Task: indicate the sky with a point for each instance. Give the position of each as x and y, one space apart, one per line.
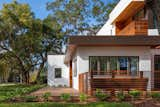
37 6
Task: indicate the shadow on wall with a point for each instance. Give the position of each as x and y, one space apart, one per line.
57 82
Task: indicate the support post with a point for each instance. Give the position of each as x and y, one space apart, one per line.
91 82
113 74
70 74
141 74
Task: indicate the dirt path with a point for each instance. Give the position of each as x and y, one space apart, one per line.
55 91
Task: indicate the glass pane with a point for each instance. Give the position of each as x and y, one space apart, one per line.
103 64
123 63
113 63
93 63
57 72
157 63
134 66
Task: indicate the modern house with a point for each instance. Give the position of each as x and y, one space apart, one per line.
125 53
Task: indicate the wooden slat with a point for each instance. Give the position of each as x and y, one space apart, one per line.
120 83
139 27
70 74
83 83
157 80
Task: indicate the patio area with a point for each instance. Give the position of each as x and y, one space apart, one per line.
55 91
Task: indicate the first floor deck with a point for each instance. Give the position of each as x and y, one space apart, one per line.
88 82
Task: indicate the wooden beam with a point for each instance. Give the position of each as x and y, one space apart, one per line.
91 82
70 74
130 11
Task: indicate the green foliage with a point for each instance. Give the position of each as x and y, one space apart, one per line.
4 71
155 95
46 95
27 40
76 15
82 97
135 93
7 92
65 97
29 98
101 95
100 104
121 95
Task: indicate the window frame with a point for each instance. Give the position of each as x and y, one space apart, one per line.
55 74
116 58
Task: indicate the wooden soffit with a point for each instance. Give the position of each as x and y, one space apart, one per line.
130 10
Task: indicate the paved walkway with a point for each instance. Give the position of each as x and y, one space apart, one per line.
55 91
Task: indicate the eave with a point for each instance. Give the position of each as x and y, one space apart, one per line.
125 9
75 41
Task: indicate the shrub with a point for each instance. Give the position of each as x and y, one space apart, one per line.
60 86
155 95
46 95
121 95
101 95
83 97
65 97
65 86
29 98
135 93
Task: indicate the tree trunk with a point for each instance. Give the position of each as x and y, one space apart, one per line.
39 71
41 66
25 77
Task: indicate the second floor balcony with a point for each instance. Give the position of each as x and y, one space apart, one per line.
136 27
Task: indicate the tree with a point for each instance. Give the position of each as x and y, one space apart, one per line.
4 72
80 16
153 7
25 39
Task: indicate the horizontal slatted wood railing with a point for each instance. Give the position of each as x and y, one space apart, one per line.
156 80
109 73
120 83
88 83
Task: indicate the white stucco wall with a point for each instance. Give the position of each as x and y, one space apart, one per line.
153 32
57 61
108 29
83 54
75 79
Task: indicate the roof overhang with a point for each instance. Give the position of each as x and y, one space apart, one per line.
126 9
71 48
75 41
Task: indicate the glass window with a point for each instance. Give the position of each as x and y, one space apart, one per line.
93 63
157 63
101 64
134 63
123 63
58 72
139 15
113 63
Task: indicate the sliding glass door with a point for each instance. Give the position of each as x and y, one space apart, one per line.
157 72
121 65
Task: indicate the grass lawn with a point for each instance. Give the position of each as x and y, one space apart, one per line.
9 91
100 104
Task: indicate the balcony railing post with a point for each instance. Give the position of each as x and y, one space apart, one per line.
91 82
141 74
113 74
